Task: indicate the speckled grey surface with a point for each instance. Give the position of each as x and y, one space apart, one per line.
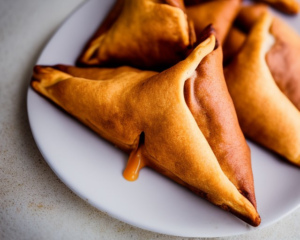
34 203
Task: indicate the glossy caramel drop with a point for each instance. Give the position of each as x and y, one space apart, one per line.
135 163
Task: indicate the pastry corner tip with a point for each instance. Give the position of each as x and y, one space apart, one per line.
256 221
208 32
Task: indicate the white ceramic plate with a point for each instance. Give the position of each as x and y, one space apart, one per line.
92 167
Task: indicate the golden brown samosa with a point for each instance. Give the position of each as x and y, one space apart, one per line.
148 34
146 114
265 114
207 97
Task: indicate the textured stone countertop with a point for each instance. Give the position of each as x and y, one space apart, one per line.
34 203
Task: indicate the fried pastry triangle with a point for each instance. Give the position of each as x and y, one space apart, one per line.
265 114
207 97
149 34
220 13
146 114
283 57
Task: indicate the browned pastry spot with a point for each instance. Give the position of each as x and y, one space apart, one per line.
209 30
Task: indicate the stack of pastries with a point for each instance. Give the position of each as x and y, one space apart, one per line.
179 84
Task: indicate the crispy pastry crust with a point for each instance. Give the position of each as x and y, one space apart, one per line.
123 106
207 97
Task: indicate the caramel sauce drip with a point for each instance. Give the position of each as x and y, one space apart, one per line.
135 163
